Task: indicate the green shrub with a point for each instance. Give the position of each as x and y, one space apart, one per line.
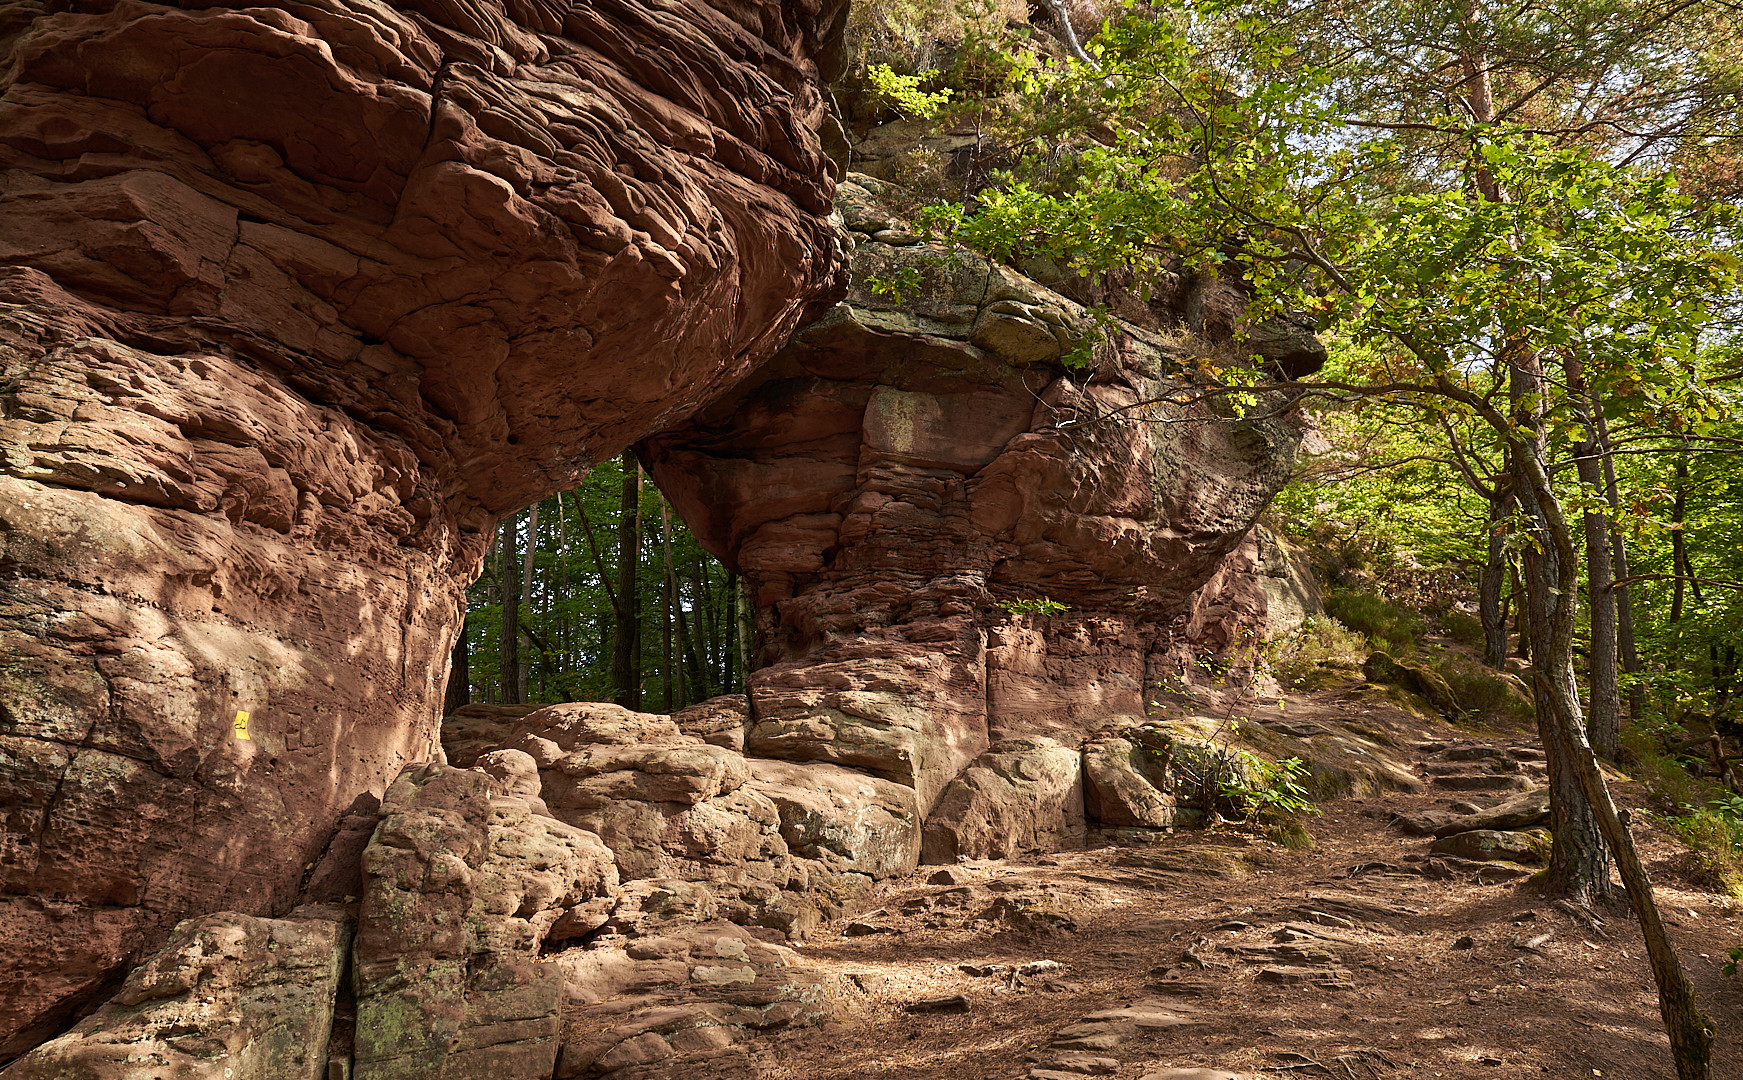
1483 693
1465 629
1036 606
1386 625
903 93
1323 650
1705 817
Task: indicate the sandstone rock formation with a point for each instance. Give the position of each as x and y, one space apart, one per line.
768 841
295 301
909 464
229 997
1023 794
463 880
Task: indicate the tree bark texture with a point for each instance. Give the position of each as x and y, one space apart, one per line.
1578 865
508 678
1491 603
1604 724
626 642
1619 565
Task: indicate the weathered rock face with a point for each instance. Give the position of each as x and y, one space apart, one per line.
905 466
761 842
1023 794
295 301
463 881
229 997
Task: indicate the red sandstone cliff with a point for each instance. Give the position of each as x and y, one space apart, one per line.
295 300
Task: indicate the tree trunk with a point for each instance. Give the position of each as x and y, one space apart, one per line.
670 594
733 638
459 689
1577 865
1624 594
1679 556
509 650
1491 604
1604 724
626 682
1520 615
523 656
746 632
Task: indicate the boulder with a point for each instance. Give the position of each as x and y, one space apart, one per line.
1415 677
1490 845
699 988
773 843
720 721
1023 794
1159 775
844 824
1519 812
228 997
462 883
1124 787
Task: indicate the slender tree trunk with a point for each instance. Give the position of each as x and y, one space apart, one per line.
702 626
746 632
1491 605
730 682
1068 33
626 642
1624 592
459 690
509 650
524 656
1604 724
1691 1033
1679 556
1579 866
670 593
565 648
693 688
1520 615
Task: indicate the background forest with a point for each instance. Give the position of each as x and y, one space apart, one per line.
603 595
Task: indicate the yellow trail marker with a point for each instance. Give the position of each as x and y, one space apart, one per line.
241 725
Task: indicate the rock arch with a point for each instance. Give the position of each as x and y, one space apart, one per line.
296 301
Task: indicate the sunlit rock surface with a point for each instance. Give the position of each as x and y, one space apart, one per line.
296 301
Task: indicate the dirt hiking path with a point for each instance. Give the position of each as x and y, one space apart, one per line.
1220 955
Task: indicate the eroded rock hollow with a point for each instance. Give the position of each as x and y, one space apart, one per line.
296 300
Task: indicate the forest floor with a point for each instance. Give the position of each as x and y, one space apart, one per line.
1222 951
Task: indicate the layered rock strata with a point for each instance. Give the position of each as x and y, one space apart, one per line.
284 295
229 997
915 475
296 301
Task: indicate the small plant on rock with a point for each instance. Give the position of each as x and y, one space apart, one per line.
903 93
1274 787
1037 606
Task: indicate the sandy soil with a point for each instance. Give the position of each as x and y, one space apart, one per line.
1387 972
